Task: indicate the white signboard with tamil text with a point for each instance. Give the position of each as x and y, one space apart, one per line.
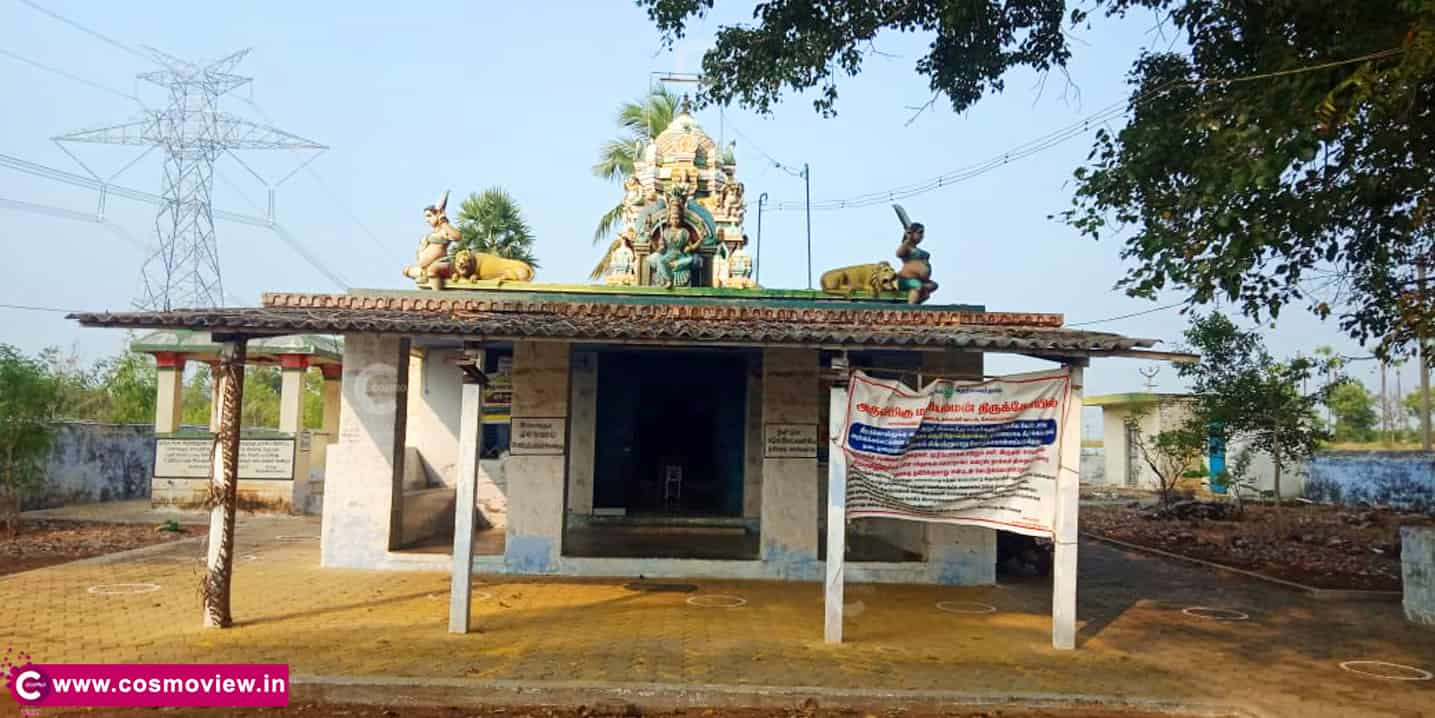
192 459
982 453
537 436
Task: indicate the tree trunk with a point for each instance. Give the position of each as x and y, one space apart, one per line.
1276 480
9 510
223 488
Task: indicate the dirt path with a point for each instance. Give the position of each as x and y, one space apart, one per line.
47 542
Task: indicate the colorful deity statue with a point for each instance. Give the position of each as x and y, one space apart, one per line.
431 265
676 258
915 276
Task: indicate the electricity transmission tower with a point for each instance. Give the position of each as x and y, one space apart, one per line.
183 270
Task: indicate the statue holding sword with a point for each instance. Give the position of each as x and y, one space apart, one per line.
915 276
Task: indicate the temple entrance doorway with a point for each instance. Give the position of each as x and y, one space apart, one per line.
669 458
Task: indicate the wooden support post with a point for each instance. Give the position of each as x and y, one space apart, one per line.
1068 493
470 448
836 511
224 485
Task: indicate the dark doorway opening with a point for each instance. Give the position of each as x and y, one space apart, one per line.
670 432
669 459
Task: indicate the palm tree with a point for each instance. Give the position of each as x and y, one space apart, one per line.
491 222
640 121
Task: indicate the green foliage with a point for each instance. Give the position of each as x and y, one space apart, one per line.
313 399
1310 187
129 383
197 397
29 397
1412 403
260 409
1258 167
797 45
1354 409
491 222
639 122
1242 389
1171 452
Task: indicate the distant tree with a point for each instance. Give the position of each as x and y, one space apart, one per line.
1353 407
313 399
81 395
198 395
1170 452
262 386
28 399
1241 388
130 384
639 121
1411 402
491 222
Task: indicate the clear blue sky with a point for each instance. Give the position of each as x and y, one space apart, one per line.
417 98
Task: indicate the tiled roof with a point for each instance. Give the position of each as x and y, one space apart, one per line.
494 316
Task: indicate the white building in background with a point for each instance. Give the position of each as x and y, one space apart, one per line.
1158 412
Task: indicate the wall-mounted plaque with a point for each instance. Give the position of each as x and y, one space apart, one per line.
271 459
790 441
537 436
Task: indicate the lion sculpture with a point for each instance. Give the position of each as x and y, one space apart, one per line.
479 266
874 278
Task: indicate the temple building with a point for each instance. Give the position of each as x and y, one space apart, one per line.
646 431
672 419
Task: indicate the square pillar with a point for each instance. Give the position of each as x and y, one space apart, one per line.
583 432
470 447
791 392
1068 496
538 455
958 555
291 392
362 493
169 400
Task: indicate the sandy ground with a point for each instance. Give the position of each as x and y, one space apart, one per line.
1144 633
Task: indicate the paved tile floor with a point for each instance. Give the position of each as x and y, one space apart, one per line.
1135 639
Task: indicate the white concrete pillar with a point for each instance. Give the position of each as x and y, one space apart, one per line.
362 496
470 447
790 396
537 457
1068 495
169 399
958 555
836 514
292 368
583 432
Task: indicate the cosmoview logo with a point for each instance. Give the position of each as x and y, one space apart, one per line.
375 388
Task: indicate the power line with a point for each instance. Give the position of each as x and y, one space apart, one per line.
107 189
29 308
1127 316
70 76
333 196
1056 137
88 31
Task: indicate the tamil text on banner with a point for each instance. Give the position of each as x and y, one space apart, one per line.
984 453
